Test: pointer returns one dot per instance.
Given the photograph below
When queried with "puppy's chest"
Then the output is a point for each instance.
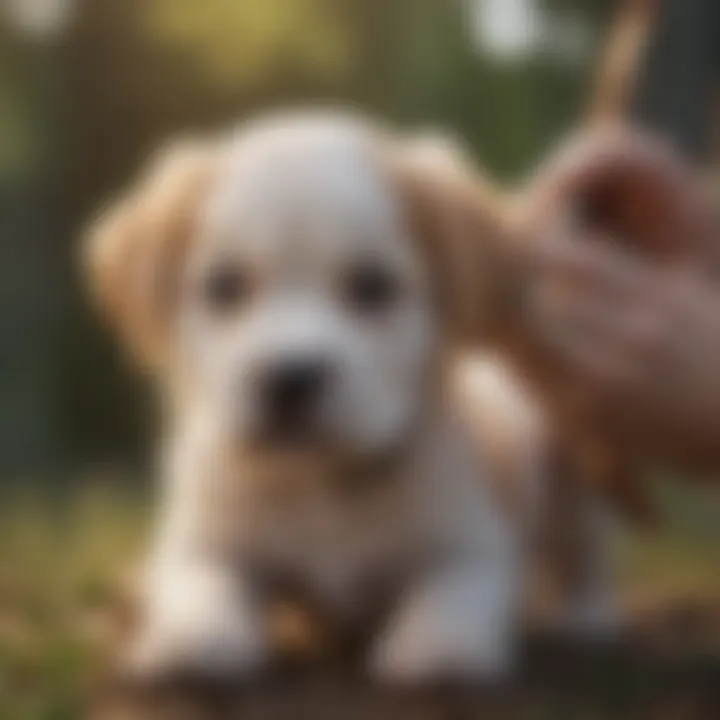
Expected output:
(337, 548)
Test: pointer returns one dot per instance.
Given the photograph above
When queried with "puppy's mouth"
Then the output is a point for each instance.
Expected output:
(299, 449)
(290, 431)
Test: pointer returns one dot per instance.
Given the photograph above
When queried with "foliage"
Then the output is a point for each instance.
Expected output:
(240, 42)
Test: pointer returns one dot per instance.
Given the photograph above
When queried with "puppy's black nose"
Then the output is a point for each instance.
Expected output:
(293, 387)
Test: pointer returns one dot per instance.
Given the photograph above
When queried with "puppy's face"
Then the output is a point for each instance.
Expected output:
(315, 286)
(306, 313)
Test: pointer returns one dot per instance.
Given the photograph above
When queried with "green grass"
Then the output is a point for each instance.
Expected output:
(61, 562)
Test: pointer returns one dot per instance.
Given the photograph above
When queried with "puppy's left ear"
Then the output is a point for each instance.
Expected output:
(461, 222)
(135, 249)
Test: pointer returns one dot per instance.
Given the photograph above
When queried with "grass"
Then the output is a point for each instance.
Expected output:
(681, 558)
(61, 561)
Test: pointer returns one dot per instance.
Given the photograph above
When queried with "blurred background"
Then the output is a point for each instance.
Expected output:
(89, 87)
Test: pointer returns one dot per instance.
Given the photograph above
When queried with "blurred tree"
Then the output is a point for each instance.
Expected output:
(30, 292)
(679, 88)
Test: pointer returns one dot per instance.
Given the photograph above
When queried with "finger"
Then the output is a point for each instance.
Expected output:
(591, 364)
(623, 178)
(590, 161)
(633, 338)
(571, 271)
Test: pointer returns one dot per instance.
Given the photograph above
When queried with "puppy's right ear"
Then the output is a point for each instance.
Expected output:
(460, 220)
(135, 249)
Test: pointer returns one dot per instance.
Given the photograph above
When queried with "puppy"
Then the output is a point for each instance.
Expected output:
(300, 289)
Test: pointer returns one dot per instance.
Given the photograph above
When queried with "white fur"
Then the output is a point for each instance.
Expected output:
(296, 203)
(436, 530)
(295, 206)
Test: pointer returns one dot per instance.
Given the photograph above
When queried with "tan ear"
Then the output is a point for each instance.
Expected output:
(135, 249)
(460, 219)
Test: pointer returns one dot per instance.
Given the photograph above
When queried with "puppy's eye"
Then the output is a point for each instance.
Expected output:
(225, 288)
(370, 288)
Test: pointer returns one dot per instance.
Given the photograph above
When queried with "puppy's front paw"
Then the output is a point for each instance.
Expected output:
(437, 651)
(219, 651)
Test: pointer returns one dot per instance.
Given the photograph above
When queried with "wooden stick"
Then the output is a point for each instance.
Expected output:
(619, 68)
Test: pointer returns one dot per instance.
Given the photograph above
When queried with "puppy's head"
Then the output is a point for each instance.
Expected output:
(297, 283)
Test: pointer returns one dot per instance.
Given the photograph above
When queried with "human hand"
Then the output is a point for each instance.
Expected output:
(621, 309)
(639, 343)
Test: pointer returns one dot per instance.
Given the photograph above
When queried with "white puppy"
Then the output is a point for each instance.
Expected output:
(300, 288)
